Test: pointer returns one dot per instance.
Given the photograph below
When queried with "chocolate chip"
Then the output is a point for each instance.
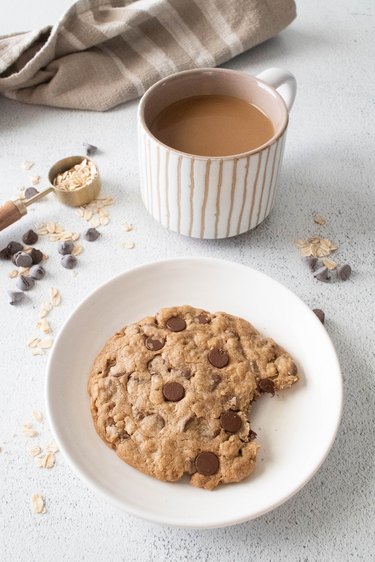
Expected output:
(218, 357)
(320, 314)
(30, 192)
(176, 324)
(215, 381)
(66, 247)
(321, 274)
(25, 283)
(91, 234)
(15, 297)
(186, 373)
(206, 463)
(267, 385)
(37, 272)
(344, 272)
(69, 262)
(230, 421)
(14, 247)
(36, 255)
(4, 254)
(22, 259)
(30, 237)
(90, 148)
(311, 262)
(173, 391)
(203, 318)
(154, 344)
(252, 435)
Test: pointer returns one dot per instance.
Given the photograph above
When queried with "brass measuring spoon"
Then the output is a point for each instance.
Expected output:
(12, 211)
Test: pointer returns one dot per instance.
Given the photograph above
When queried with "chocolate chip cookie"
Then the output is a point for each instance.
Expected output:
(171, 394)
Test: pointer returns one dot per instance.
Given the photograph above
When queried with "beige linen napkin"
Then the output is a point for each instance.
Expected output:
(105, 52)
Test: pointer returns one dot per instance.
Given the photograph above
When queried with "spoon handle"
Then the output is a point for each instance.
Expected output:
(38, 196)
(11, 212)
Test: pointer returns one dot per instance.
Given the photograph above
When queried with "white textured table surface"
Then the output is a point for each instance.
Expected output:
(329, 169)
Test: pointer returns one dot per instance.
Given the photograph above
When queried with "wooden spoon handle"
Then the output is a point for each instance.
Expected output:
(11, 212)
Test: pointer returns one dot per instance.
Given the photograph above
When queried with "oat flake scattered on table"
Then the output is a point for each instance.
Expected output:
(330, 264)
(127, 227)
(45, 309)
(35, 451)
(318, 219)
(77, 249)
(35, 180)
(46, 343)
(55, 297)
(33, 342)
(44, 326)
(48, 461)
(37, 503)
(56, 232)
(29, 431)
(316, 247)
(27, 165)
(52, 447)
(95, 213)
(37, 415)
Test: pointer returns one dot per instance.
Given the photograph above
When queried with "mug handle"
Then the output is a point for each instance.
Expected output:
(283, 79)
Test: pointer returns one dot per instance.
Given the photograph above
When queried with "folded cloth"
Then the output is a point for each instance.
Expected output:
(106, 52)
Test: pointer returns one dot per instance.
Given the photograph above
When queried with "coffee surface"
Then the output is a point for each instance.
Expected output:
(212, 125)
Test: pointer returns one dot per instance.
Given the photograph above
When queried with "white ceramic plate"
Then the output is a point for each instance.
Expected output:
(295, 429)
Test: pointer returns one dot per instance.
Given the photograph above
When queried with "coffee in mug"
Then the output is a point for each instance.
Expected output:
(212, 125)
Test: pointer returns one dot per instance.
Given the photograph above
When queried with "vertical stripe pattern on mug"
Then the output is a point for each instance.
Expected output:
(208, 197)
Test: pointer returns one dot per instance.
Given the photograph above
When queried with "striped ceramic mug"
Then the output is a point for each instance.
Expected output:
(213, 197)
